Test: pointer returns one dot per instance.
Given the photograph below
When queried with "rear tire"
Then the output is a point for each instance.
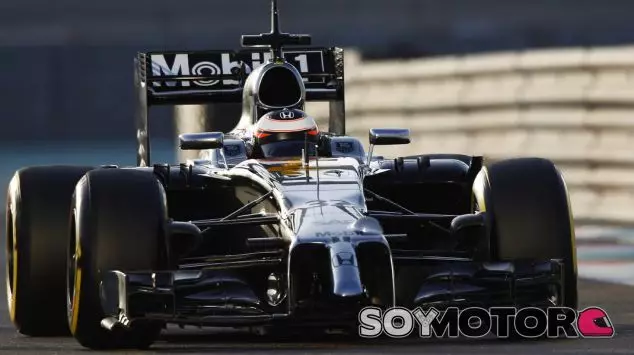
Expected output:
(529, 216)
(37, 210)
(119, 223)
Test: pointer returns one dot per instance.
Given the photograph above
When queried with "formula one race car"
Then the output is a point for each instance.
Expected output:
(278, 223)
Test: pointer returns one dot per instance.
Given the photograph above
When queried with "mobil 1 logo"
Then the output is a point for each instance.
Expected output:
(210, 63)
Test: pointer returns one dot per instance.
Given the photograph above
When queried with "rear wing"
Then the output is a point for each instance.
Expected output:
(207, 77)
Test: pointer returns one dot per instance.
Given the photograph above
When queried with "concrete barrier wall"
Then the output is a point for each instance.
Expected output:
(574, 106)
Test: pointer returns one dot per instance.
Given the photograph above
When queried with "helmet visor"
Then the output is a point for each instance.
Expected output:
(286, 149)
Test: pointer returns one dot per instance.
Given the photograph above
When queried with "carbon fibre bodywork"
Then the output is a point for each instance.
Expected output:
(313, 246)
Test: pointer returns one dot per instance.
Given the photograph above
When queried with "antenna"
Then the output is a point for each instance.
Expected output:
(276, 39)
(276, 45)
(305, 157)
(275, 18)
(317, 170)
(224, 158)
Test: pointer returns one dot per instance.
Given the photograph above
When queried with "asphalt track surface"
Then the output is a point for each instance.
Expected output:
(615, 299)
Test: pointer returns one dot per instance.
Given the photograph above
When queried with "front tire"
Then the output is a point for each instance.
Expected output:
(37, 210)
(529, 216)
(119, 222)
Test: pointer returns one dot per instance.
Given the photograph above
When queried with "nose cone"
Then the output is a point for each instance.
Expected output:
(345, 271)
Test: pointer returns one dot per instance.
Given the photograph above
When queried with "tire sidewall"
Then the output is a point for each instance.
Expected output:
(104, 246)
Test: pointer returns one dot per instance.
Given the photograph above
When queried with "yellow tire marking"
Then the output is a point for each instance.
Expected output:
(12, 289)
(14, 282)
(479, 185)
(77, 288)
(76, 293)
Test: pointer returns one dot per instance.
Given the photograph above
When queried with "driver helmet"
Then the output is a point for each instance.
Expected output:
(283, 133)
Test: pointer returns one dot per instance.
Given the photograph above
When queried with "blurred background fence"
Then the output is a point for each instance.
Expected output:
(575, 106)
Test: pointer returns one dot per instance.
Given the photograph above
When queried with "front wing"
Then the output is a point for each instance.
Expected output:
(215, 297)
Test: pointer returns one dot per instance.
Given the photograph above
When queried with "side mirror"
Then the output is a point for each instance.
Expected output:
(204, 140)
(389, 136)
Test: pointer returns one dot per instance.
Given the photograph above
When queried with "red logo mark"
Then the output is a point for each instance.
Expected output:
(594, 322)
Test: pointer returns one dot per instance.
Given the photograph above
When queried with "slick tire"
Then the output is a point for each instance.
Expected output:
(529, 216)
(37, 212)
(119, 222)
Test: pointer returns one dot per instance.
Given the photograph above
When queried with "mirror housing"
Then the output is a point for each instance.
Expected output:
(203, 140)
(389, 136)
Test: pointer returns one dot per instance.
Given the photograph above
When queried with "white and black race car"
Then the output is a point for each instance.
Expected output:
(278, 223)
